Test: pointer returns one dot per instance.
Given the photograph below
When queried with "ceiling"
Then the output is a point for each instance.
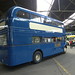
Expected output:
(6, 4)
(70, 27)
(61, 9)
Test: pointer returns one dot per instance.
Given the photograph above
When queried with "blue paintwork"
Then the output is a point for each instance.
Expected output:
(19, 38)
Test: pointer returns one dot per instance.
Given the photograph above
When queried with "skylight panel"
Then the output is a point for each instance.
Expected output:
(44, 6)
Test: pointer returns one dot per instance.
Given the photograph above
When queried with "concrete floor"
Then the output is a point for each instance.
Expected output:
(59, 65)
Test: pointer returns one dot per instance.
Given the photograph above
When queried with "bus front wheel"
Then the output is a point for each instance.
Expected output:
(37, 57)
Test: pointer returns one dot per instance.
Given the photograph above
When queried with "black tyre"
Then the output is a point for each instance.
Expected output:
(37, 57)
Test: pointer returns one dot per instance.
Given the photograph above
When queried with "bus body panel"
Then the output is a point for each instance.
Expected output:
(3, 53)
(22, 47)
(21, 54)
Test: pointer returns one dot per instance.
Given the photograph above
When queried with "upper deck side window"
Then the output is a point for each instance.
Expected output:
(47, 21)
(52, 22)
(35, 18)
(31, 16)
(23, 14)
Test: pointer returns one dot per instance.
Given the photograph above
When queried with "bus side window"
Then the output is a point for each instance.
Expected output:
(36, 39)
(42, 20)
(54, 39)
(60, 39)
(23, 14)
(47, 21)
(35, 18)
(47, 40)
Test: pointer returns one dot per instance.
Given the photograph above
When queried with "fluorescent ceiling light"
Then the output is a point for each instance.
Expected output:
(65, 20)
(73, 15)
(69, 20)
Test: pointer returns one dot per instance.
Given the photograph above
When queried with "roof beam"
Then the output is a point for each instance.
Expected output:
(57, 11)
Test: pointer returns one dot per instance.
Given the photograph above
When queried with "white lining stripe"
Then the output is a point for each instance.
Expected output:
(45, 28)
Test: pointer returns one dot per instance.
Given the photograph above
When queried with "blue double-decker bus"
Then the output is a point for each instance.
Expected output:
(28, 36)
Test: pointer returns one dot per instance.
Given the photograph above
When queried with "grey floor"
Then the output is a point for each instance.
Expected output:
(59, 65)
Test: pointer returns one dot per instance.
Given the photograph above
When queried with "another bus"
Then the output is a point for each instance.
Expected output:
(28, 36)
(70, 38)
